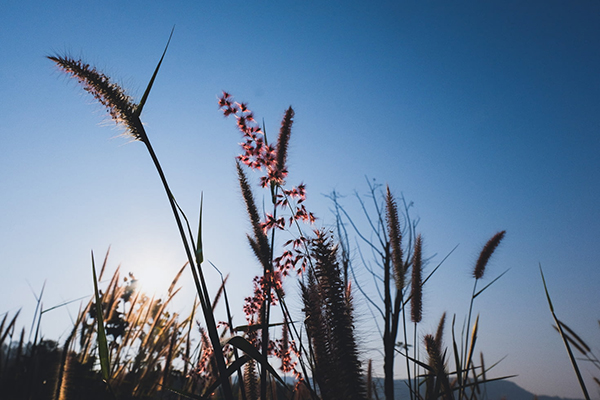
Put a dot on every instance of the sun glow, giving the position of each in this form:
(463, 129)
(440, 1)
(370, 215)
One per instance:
(154, 279)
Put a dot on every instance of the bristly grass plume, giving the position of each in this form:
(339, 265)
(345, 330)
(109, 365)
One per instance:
(486, 253)
(395, 234)
(416, 299)
(120, 106)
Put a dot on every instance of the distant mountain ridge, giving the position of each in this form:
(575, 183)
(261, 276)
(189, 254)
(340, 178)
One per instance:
(496, 390)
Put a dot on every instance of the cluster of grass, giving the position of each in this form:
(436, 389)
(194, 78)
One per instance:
(128, 345)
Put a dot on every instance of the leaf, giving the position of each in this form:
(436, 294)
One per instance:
(138, 110)
(244, 345)
(102, 343)
(199, 253)
(250, 328)
(490, 284)
(565, 341)
(236, 365)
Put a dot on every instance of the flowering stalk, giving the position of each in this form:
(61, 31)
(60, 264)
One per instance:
(125, 112)
(258, 155)
(482, 261)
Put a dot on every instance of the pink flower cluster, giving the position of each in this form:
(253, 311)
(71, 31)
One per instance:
(258, 155)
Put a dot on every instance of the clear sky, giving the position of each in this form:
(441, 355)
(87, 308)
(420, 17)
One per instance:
(485, 114)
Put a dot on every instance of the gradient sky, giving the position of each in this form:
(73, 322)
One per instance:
(486, 116)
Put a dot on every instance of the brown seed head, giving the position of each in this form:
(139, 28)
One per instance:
(395, 235)
(283, 140)
(119, 105)
(486, 253)
(416, 293)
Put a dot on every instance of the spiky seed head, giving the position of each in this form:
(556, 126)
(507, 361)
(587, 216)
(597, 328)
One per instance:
(120, 106)
(440, 332)
(416, 293)
(261, 243)
(395, 235)
(433, 352)
(486, 253)
(283, 140)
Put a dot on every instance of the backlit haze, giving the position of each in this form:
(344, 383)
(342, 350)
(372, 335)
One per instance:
(486, 116)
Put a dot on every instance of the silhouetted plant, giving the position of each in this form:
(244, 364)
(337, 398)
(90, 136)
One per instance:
(330, 325)
(397, 250)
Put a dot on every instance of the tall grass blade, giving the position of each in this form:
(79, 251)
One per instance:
(102, 342)
(564, 338)
(244, 345)
(138, 110)
(576, 338)
(490, 284)
(199, 252)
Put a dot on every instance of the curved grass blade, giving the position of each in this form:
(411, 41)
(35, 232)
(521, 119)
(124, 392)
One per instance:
(490, 284)
(564, 339)
(138, 110)
(237, 364)
(102, 343)
(255, 327)
(244, 345)
(199, 253)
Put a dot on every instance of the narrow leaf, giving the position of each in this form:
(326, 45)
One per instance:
(255, 327)
(199, 252)
(138, 110)
(490, 284)
(102, 343)
(244, 345)
(235, 366)
(565, 341)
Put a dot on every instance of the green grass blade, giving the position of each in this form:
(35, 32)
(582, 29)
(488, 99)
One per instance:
(208, 391)
(244, 345)
(472, 346)
(255, 327)
(459, 367)
(564, 339)
(199, 253)
(235, 366)
(491, 283)
(102, 342)
(138, 110)
(547, 294)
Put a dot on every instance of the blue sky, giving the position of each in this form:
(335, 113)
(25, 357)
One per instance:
(486, 116)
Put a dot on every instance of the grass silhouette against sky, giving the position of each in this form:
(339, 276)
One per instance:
(486, 116)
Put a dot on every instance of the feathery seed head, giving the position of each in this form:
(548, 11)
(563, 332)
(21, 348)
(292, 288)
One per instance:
(440, 332)
(416, 299)
(260, 244)
(486, 253)
(120, 106)
(395, 235)
(283, 140)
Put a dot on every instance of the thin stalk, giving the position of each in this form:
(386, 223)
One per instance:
(463, 356)
(198, 276)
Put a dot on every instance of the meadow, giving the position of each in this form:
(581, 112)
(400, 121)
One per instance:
(125, 344)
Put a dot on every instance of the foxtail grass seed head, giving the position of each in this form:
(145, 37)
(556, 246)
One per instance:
(439, 334)
(486, 253)
(436, 361)
(262, 244)
(282, 143)
(120, 106)
(416, 293)
(395, 235)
